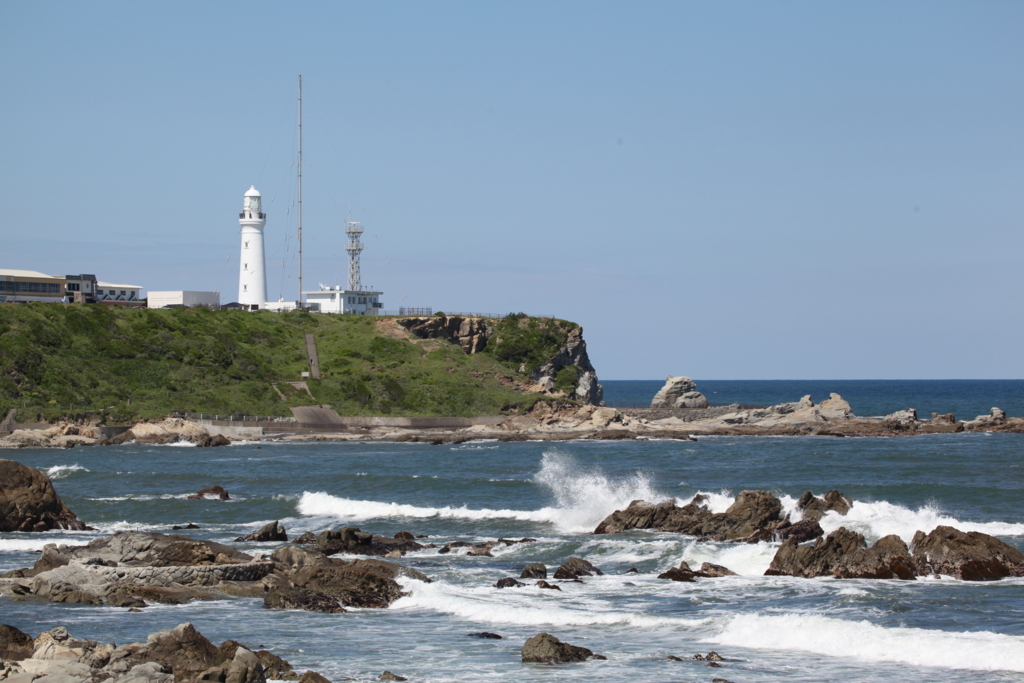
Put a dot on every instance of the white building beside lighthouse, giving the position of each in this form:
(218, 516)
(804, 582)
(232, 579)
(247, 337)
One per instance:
(252, 275)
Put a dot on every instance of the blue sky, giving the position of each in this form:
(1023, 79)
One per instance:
(724, 190)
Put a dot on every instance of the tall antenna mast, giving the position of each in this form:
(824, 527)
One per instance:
(300, 190)
(354, 230)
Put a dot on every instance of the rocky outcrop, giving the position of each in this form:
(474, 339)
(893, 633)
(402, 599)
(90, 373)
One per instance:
(173, 656)
(844, 554)
(750, 513)
(211, 493)
(534, 570)
(471, 334)
(356, 542)
(815, 508)
(324, 587)
(274, 531)
(573, 352)
(971, 556)
(28, 501)
(679, 392)
(575, 567)
(14, 645)
(544, 648)
(170, 430)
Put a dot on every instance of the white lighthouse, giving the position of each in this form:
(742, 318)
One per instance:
(252, 275)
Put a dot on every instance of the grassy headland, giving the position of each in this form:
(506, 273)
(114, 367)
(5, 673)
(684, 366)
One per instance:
(118, 364)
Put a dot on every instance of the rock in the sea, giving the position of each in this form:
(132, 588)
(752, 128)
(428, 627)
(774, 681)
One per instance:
(211, 493)
(751, 512)
(716, 570)
(508, 582)
(28, 501)
(544, 648)
(970, 556)
(485, 635)
(679, 392)
(549, 586)
(575, 567)
(358, 583)
(534, 570)
(313, 677)
(815, 508)
(388, 676)
(844, 554)
(905, 418)
(270, 532)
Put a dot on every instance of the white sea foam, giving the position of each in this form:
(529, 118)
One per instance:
(877, 519)
(61, 471)
(980, 651)
(10, 545)
(583, 497)
(528, 607)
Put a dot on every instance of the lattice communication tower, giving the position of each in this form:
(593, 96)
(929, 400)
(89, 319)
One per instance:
(354, 230)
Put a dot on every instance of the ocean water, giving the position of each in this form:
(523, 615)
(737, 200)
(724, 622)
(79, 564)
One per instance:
(767, 628)
(965, 398)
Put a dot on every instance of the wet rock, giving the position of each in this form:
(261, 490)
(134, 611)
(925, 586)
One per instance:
(306, 538)
(485, 635)
(134, 549)
(534, 570)
(270, 532)
(673, 658)
(211, 493)
(388, 676)
(844, 554)
(28, 501)
(294, 598)
(313, 677)
(550, 586)
(14, 644)
(815, 508)
(970, 556)
(351, 540)
(404, 536)
(508, 583)
(546, 649)
(716, 570)
(575, 567)
(752, 511)
(358, 583)
(678, 574)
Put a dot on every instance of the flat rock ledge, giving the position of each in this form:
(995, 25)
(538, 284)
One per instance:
(127, 569)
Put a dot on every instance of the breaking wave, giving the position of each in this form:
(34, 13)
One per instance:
(979, 651)
(62, 471)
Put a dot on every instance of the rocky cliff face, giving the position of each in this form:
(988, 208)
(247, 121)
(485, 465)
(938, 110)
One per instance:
(573, 352)
(474, 334)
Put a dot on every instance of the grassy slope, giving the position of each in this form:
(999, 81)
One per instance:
(122, 364)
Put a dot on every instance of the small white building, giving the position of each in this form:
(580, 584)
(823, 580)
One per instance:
(110, 293)
(338, 300)
(183, 298)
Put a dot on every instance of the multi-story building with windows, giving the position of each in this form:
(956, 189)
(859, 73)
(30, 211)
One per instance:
(29, 285)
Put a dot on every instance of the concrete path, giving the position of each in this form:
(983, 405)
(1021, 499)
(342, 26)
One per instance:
(314, 362)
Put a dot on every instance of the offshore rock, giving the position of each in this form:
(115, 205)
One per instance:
(211, 493)
(844, 554)
(28, 501)
(679, 392)
(321, 587)
(14, 645)
(271, 532)
(970, 556)
(575, 567)
(356, 542)
(815, 508)
(544, 648)
(750, 513)
(716, 570)
(534, 570)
